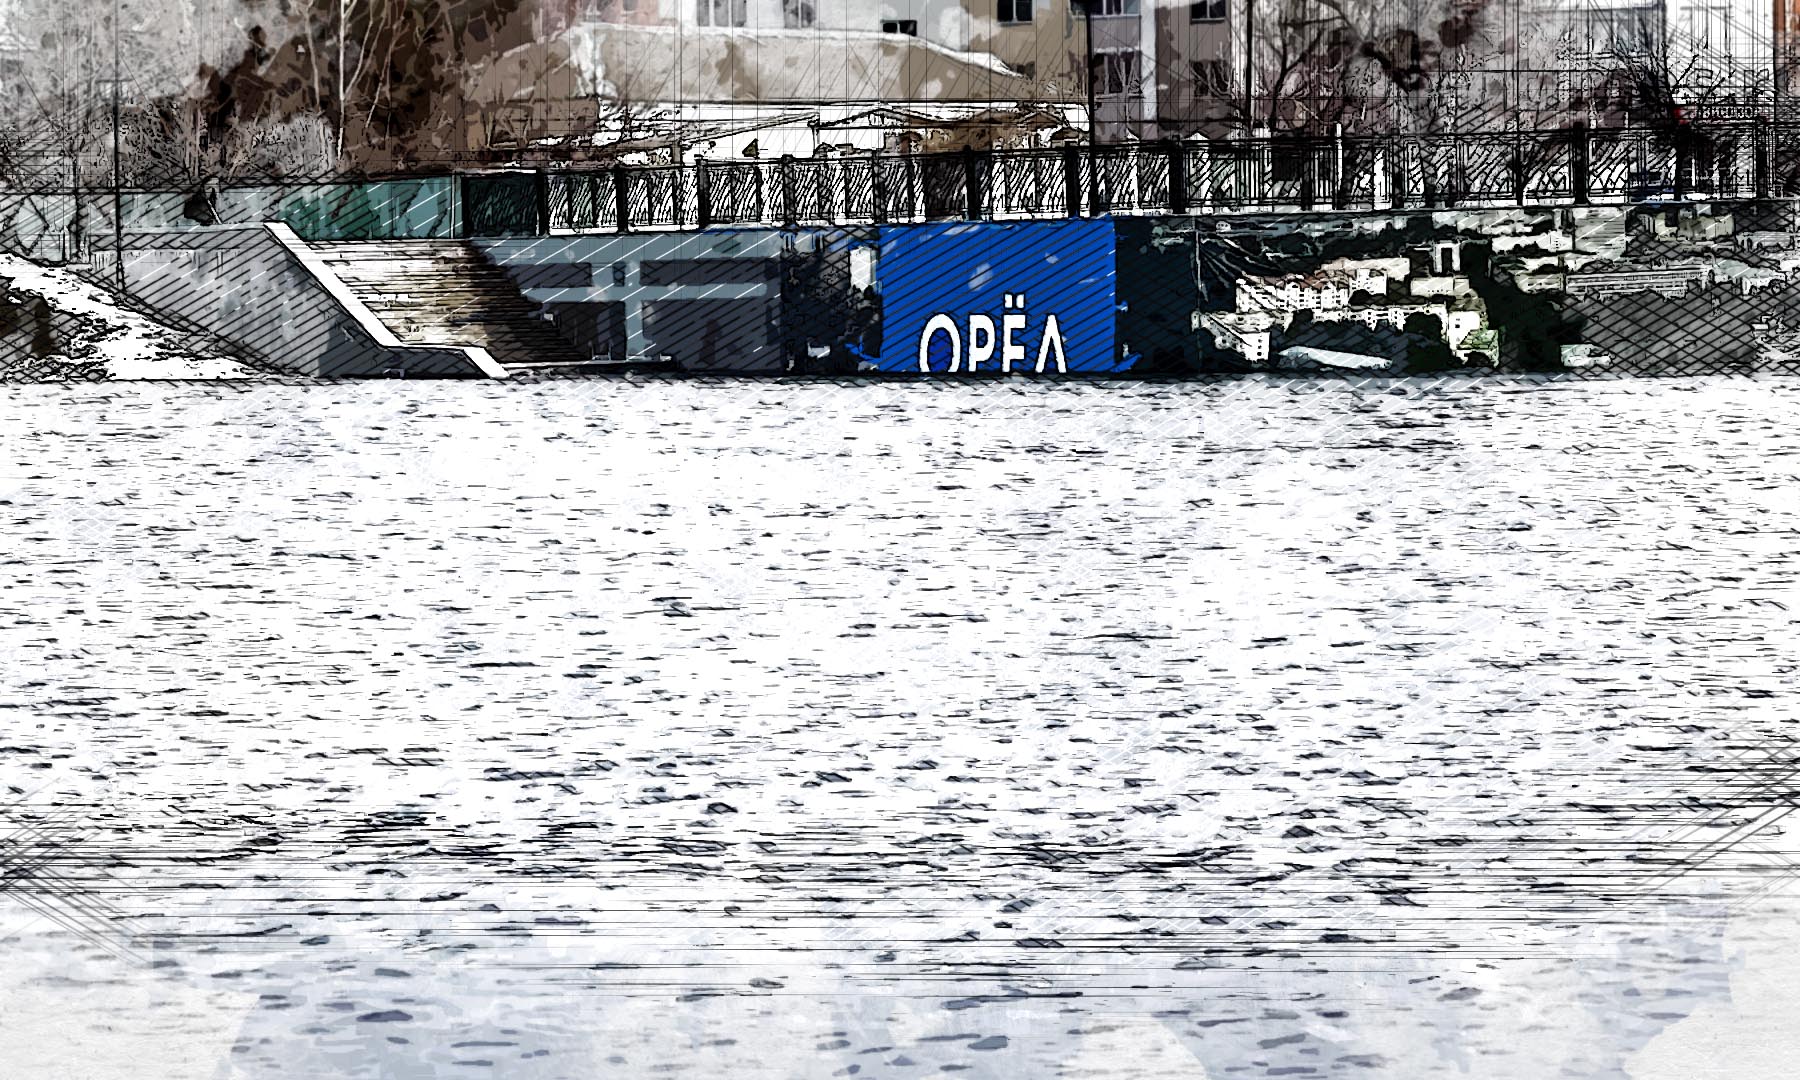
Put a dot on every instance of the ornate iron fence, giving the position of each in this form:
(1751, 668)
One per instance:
(1282, 175)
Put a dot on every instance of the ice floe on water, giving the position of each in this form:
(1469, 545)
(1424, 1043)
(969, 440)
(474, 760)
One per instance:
(54, 326)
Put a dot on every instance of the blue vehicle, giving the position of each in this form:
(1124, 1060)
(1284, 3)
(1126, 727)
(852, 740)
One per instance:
(1648, 186)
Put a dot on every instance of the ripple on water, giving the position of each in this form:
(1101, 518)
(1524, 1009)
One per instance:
(598, 727)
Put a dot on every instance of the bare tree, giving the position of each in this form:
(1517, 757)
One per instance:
(1377, 66)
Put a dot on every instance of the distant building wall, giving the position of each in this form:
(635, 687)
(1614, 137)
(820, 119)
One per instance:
(1124, 70)
(645, 66)
(1199, 68)
(1049, 48)
(1043, 41)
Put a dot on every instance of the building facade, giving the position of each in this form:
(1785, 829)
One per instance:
(1163, 69)
(1200, 68)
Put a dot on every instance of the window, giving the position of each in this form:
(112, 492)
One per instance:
(1212, 78)
(1207, 11)
(1118, 72)
(1712, 26)
(909, 27)
(797, 14)
(1015, 11)
(1626, 31)
(1116, 7)
(721, 12)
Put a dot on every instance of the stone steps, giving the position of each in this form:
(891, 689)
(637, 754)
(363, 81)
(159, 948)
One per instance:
(443, 292)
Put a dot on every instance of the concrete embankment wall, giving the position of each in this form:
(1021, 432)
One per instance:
(767, 300)
(709, 301)
(259, 288)
(770, 301)
(58, 227)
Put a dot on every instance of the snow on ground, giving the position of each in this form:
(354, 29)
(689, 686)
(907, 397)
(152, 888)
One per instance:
(129, 345)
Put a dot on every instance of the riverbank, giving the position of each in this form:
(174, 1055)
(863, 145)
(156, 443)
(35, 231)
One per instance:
(1621, 289)
(56, 327)
(1694, 288)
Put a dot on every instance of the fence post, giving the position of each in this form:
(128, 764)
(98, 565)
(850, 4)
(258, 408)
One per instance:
(1072, 178)
(1265, 176)
(1340, 195)
(971, 164)
(1178, 176)
(835, 198)
(621, 198)
(1680, 154)
(785, 170)
(1779, 169)
(1759, 146)
(1309, 173)
(1096, 204)
(540, 190)
(703, 209)
(1208, 189)
(915, 207)
(1455, 176)
(1429, 173)
(1578, 162)
(878, 192)
(1399, 174)
(1515, 167)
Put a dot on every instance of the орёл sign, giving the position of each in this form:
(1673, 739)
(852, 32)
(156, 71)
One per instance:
(1000, 297)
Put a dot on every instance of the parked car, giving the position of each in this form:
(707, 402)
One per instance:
(1648, 186)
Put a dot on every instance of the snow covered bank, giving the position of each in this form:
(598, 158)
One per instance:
(54, 326)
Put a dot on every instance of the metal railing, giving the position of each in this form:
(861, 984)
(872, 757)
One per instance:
(1572, 166)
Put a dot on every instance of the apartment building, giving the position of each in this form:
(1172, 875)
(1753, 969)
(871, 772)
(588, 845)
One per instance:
(1041, 43)
(1721, 58)
(1197, 68)
(1631, 61)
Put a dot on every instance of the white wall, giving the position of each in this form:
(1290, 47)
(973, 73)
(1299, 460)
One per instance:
(944, 22)
(1723, 32)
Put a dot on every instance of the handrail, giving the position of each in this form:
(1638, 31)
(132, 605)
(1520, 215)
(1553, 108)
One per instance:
(1561, 167)
(1571, 166)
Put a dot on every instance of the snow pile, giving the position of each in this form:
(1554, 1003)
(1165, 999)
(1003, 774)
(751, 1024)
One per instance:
(59, 327)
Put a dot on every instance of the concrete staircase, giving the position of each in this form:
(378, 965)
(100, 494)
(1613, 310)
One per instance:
(443, 292)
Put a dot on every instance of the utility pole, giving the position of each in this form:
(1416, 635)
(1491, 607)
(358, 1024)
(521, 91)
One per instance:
(343, 19)
(1087, 19)
(1778, 45)
(1778, 70)
(118, 199)
(1249, 63)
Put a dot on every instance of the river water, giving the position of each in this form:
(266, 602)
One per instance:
(787, 729)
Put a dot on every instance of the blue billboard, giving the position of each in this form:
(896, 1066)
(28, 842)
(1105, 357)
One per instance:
(1035, 297)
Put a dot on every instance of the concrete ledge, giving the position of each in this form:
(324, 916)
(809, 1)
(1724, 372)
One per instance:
(264, 291)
